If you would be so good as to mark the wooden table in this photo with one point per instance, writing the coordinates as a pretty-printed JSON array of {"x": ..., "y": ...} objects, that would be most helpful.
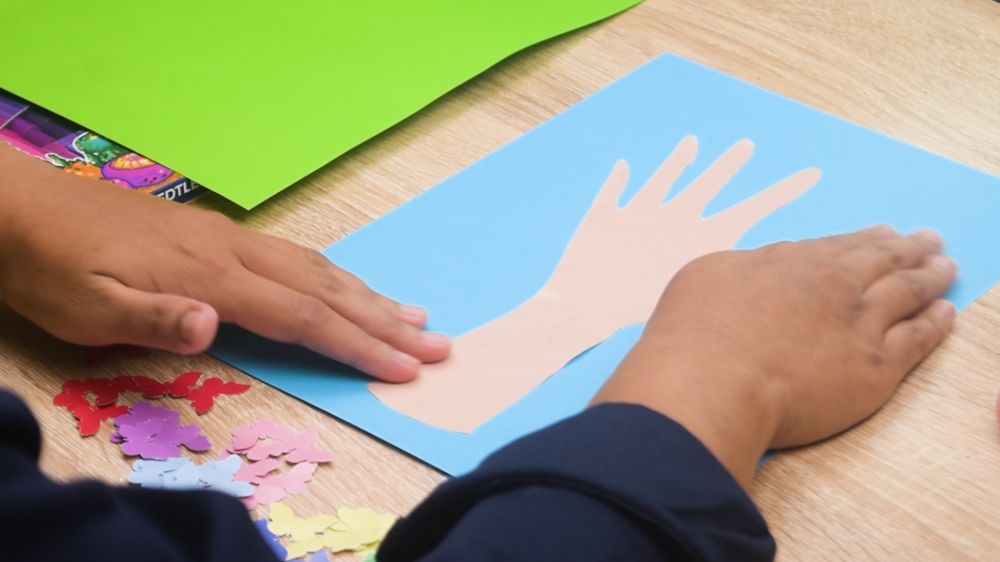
[{"x": 920, "y": 480}]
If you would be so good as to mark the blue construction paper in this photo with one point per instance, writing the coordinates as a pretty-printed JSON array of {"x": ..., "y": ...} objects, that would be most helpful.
[{"x": 486, "y": 239}]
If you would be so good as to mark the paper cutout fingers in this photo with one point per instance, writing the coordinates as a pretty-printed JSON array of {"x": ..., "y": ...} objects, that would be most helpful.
[{"x": 610, "y": 276}]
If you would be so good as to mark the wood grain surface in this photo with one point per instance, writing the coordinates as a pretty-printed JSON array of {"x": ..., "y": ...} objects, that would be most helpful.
[{"x": 918, "y": 481}]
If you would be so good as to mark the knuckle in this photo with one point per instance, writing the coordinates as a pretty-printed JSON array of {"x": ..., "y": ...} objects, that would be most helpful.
[
  {"x": 309, "y": 314},
  {"x": 778, "y": 248},
  {"x": 158, "y": 322},
  {"x": 875, "y": 358},
  {"x": 922, "y": 334},
  {"x": 313, "y": 257},
  {"x": 912, "y": 287},
  {"x": 832, "y": 276},
  {"x": 215, "y": 219}
]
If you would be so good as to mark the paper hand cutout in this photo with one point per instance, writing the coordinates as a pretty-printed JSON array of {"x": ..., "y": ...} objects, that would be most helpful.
[{"x": 610, "y": 276}]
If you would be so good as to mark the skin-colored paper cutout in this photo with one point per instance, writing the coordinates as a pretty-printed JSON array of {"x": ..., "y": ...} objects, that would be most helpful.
[{"x": 609, "y": 277}]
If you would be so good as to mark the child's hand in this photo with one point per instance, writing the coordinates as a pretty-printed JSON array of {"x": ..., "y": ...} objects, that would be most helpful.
[
  {"x": 788, "y": 344},
  {"x": 96, "y": 265}
]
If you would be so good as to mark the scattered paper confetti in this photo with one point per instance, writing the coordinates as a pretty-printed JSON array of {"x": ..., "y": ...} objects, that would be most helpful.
[
  {"x": 253, "y": 471},
  {"x": 284, "y": 522},
  {"x": 178, "y": 388},
  {"x": 89, "y": 418},
  {"x": 107, "y": 391},
  {"x": 154, "y": 432},
  {"x": 273, "y": 487},
  {"x": 364, "y": 528},
  {"x": 360, "y": 530},
  {"x": 203, "y": 397},
  {"x": 179, "y": 473},
  {"x": 267, "y": 438}
]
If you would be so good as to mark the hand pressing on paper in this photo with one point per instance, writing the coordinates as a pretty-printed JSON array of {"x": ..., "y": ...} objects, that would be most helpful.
[
  {"x": 96, "y": 265},
  {"x": 610, "y": 276},
  {"x": 788, "y": 344}
]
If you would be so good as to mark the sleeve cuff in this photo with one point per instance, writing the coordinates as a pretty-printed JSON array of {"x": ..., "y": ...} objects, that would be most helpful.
[{"x": 625, "y": 455}]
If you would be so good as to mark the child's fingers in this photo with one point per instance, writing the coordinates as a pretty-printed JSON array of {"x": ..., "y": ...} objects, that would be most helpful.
[
  {"x": 170, "y": 322},
  {"x": 902, "y": 294},
  {"x": 908, "y": 342},
  {"x": 312, "y": 274},
  {"x": 277, "y": 312},
  {"x": 872, "y": 261}
]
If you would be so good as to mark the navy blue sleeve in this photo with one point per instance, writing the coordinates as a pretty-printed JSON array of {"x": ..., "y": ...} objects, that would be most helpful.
[
  {"x": 41, "y": 520},
  {"x": 617, "y": 482}
]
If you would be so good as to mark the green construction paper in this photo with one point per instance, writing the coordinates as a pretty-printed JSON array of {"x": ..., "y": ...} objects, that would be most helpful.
[{"x": 248, "y": 97}]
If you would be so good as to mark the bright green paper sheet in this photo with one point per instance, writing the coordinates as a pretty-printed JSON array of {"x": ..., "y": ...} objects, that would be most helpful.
[{"x": 248, "y": 97}]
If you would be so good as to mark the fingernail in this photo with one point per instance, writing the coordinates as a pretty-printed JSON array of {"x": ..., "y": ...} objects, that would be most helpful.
[
  {"x": 943, "y": 309},
  {"x": 928, "y": 235},
  {"x": 407, "y": 361},
  {"x": 190, "y": 323},
  {"x": 431, "y": 339},
  {"x": 943, "y": 263},
  {"x": 412, "y": 312}
]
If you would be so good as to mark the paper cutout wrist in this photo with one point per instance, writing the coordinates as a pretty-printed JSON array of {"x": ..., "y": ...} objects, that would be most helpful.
[{"x": 610, "y": 276}]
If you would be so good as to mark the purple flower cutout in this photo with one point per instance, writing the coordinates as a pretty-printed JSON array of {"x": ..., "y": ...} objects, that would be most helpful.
[{"x": 154, "y": 432}]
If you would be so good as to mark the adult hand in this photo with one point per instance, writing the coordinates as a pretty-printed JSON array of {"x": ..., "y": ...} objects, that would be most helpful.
[
  {"x": 95, "y": 265},
  {"x": 790, "y": 343}
]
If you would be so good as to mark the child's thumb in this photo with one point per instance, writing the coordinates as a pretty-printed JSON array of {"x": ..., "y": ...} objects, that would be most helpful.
[{"x": 169, "y": 322}]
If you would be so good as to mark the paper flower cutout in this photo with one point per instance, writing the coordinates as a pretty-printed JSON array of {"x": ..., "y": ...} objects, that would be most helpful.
[
  {"x": 106, "y": 391},
  {"x": 153, "y": 432},
  {"x": 360, "y": 530},
  {"x": 284, "y": 522},
  {"x": 181, "y": 473},
  {"x": 272, "y": 487},
  {"x": 267, "y": 438},
  {"x": 203, "y": 397},
  {"x": 178, "y": 388}
]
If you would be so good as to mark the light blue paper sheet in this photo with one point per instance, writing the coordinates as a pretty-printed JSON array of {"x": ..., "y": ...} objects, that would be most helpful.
[{"x": 486, "y": 239}]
